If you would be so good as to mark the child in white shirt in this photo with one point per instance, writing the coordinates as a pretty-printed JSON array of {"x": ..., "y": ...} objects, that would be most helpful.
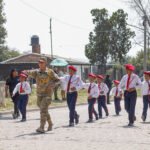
[
  {"x": 93, "y": 93},
  {"x": 24, "y": 89},
  {"x": 146, "y": 94},
  {"x": 117, "y": 93}
]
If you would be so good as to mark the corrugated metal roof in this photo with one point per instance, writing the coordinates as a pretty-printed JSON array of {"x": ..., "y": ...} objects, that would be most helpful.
[{"x": 69, "y": 60}]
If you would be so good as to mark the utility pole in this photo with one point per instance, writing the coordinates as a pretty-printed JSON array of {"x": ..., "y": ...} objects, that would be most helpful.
[
  {"x": 51, "y": 38},
  {"x": 145, "y": 42}
]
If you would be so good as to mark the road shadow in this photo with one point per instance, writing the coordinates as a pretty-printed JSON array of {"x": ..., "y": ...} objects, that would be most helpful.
[
  {"x": 66, "y": 126},
  {"x": 116, "y": 115},
  {"x": 34, "y": 134},
  {"x": 145, "y": 122},
  {"x": 33, "y": 119},
  {"x": 6, "y": 118},
  {"x": 130, "y": 127}
]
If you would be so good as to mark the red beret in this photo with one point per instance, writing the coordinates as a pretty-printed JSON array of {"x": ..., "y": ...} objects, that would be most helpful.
[
  {"x": 23, "y": 75},
  {"x": 116, "y": 81},
  {"x": 147, "y": 72},
  {"x": 100, "y": 76},
  {"x": 72, "y": 68},
  {"x": 130, "y": 67},
  {"x": 92, "y": 75}
]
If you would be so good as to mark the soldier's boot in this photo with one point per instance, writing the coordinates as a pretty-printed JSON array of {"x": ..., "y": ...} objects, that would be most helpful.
[
  {"x": 42, "y": 124},
  {"x": 40, "y": 129},
  {"x": 50, "y": 124}
]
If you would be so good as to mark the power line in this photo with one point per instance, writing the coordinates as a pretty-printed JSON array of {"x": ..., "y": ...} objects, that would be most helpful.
[
  {"x": 34, "y": 8},
  {"x": 66, "y": 23},
  {"x": 135, "y": 27},
  {"x": 47, "y": 15}
]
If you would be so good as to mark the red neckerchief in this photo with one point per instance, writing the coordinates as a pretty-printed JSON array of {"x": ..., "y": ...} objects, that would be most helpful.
[
  {"x": 69, "y": 82},
  {"x": 89, "y": 89},
  {"x": 116, "y": 91}
]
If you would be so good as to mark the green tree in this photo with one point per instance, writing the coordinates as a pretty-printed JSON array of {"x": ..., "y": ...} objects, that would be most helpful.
[
  {"x": 5, "y": 52},
  {"x": 110, "y": 39},
  {"x": 120, "y": 42},
  {"x": 3, "y": 32},
  {"x": 98, "y": 48},
  {"x": 138, "y": 61}
]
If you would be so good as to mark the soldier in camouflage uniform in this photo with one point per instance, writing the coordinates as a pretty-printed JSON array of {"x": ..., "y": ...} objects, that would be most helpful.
[{"x": 45, "y": 80}]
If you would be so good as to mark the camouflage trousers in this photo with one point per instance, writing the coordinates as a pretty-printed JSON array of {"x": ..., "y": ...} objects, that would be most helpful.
[{"x": 43, "y": 103}]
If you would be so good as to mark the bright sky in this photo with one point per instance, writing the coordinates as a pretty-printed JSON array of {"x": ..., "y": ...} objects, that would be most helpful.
[{"x": 71, "y": 24}]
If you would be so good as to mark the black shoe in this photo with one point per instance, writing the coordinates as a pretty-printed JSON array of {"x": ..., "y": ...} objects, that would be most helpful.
[
  {"x": 23, "y": 120},
  {"x": 143, "y": 118},
  {"x": 14, "y": 116},
  {"x": 107, "y": 114},
  {"x": 71, "y": 125},
  {"x": 90, "y": 121},
  {"x": 130, "y": 124},
  {"x": 18, "y": 115},
  {"x": 117, "y": 113},
  {"x": 96, "y": 117},
  {"x": 134, "y": 118},
  {"x": 100, "y": 117},
  {"x": 77, "y": 119}
]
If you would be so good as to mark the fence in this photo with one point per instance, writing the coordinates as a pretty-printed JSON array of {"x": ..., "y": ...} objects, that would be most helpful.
[{"x": 2, "y": 93}]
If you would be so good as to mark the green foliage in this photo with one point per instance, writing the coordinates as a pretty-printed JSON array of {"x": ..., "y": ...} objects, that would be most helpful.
[
  {"x": 3, "y": 32},
  {"x": 97, "y": 49},
  {"x": 110, "y": 39},
  {"x": 139, "y": 59},
  {"x": 6, "y": 53},
  {"x": 120, "y": 43}
]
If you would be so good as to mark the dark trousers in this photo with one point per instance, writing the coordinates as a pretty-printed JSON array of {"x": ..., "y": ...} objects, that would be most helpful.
[
  {"x": 117, "y": 104},
  {"x": 102, "y": 104},
  {"x": 146, "y": 103},
  {"x": 91, "y": 109},
  {"x": 71, "y": 101},
  {"x": 130, "y": 103},
  {"x": 15, "y": 101},
  {"x": 23, "y": 101},
  {"x": 108, "y": 100}
]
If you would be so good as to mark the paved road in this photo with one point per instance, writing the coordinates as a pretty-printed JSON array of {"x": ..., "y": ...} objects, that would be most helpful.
[{"x": 109, "y": 133}]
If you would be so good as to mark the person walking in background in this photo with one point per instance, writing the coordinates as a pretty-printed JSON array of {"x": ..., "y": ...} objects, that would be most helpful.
[
  {"x": 130, "y": 82},
  {"x": 57, "y": 86},
  {"x": 93, "y": 93},
  {"x": 116, "y": 92},
  {"x": 62, "y": 73},
  {"x": 24, "y": 89},
  {"x": 103, "y": 90},
  {"x": 146, "y": 94},
  {"x": 11, "y": 83},
  {"x": 108, "y": 82},
  {"x": 73, "y": 84}
]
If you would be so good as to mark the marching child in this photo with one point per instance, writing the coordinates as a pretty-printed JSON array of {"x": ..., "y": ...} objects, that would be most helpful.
[
  {"x": 93, "y": 93},
  {"x": 103, "y": 90},
  {"x": 73, "y": 85},
  {"x": 23, "y": 88},
  {"x": 117, "y": 93},
  {"x": 146, "y": 94},
  {"x": 130, "y": 82}
]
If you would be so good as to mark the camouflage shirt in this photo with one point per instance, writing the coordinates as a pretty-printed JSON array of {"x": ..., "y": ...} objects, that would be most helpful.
[{"x": 45, "y": 81}]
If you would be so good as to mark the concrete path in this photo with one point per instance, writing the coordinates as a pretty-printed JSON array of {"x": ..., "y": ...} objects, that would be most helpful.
[{"x": 109, "y": 133}]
